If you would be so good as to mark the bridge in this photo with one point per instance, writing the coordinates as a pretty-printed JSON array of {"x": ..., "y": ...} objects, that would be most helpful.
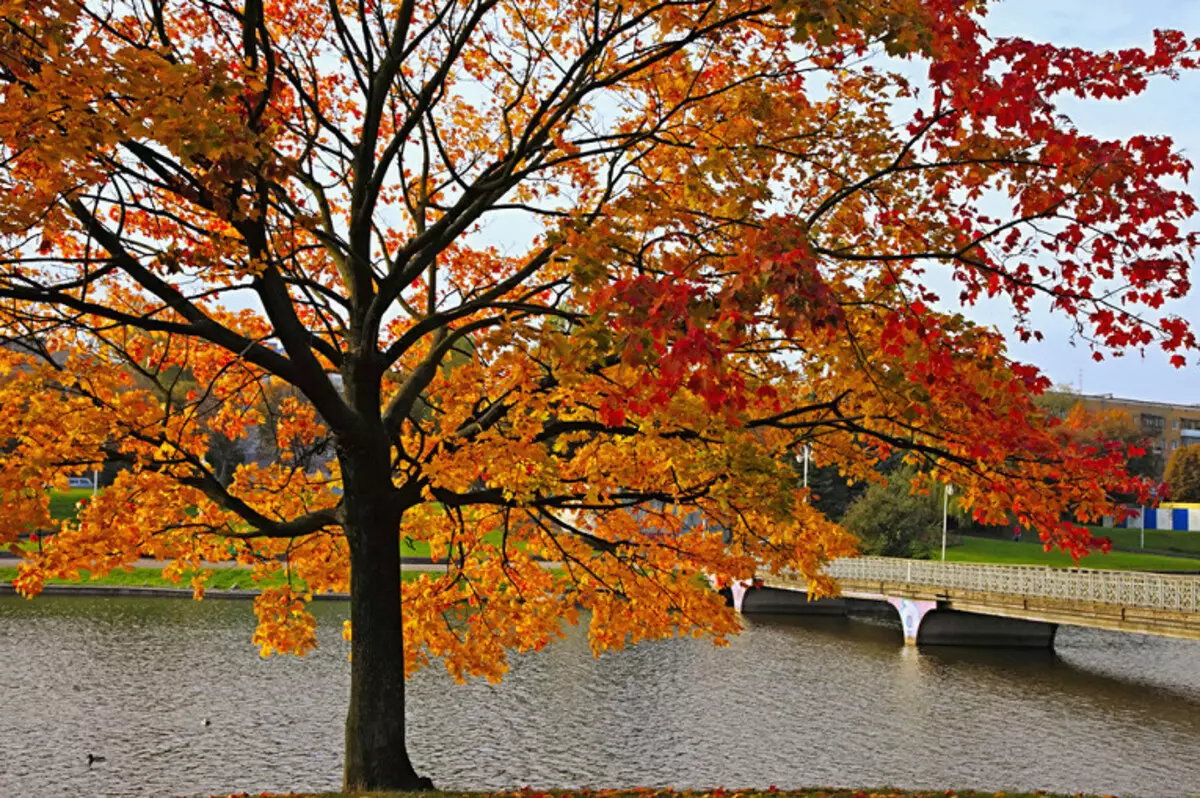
[{"x": 942, "y": 603}]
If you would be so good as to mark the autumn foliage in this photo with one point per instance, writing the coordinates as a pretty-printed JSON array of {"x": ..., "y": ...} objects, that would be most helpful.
[
  {"x": 533, "y": 280},
  {"x": 1183, "y": 474},
  {"x": 1109, "y": 430}
]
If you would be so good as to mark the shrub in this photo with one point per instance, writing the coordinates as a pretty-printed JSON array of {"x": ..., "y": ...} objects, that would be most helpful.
[{"x": 893, "y": 522}]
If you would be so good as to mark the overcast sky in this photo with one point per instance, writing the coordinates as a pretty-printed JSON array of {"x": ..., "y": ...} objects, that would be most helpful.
[{"x": 1168, "y": 107}]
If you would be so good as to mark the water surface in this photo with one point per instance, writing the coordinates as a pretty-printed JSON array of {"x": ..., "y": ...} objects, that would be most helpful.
[{"x": 790, "y": 703}]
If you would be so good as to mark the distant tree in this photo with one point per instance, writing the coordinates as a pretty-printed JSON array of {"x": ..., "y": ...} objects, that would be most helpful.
[
  {"x": 1183, "y": 474},
  {"x": 271, "y": 442},
  {"x": 1117, "y": 432},
  {"x": 111, "y": 467},
  {"x": 224, "y": 456},
  {"x": 1059, "y": 400},
  {"x": 1149, "y": 465},
  {"x": 832, "y": 493},
  {"x": 893, "y": 521}
]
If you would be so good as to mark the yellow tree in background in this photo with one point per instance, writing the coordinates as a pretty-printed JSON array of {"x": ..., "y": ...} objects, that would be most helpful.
[{"x": 1183, "y": 474}]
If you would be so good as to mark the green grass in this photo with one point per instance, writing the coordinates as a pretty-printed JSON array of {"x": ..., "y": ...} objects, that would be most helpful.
[
  {"x": 62, "y": 502},
  {"x": 420, "y": 548},
  {"x": 1157, "y": 540},
  {"x": 222, "y": 579},
  {"x": 414, "y": 548},
  {"x": 63, "y": 505},
  {"x": 993, "y": 550}
]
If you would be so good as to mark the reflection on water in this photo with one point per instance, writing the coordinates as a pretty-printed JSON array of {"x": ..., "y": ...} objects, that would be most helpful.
[{"x": 789, "y": 702}]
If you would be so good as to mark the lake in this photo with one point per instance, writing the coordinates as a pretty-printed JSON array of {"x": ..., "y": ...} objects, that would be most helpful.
[{"x": 792, "y": 702}]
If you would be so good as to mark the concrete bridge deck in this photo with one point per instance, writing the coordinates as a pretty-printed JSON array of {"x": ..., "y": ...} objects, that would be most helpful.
[{"x": 965, "y": 602}]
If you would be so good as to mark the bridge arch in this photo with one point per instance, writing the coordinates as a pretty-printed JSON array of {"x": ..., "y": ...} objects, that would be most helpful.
[{"x": 929, "y": 623}]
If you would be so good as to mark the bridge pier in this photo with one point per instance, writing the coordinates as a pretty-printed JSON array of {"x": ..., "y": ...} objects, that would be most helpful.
[{"x": 912, "y": 613}]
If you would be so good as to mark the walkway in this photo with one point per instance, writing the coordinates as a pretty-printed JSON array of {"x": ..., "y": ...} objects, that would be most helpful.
[{"x": 1129, "y": 601}]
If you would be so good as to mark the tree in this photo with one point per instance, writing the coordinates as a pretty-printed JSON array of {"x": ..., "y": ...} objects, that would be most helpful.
[
  {"x": 1059, "y": 400},
  {"x": 550, "y": 276},
  {"x": 831, "y": 494},
  {"x": 1114, "y": 429},
  {"x": 893, "y": 521},
  {"x": 1183, "y": 474}
]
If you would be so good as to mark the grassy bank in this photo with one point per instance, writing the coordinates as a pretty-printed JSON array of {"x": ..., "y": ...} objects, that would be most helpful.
[
  {"x": 1157, "y": 540},
  {"x": 1029, "y": 552},
  {"x": 420, "y": 548},
  {"x": 222, "y": 579},
  {"x": 63, "y": 503}
]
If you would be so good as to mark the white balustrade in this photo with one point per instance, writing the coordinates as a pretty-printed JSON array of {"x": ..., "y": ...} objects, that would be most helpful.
[{"x": 1124, "y": 588}]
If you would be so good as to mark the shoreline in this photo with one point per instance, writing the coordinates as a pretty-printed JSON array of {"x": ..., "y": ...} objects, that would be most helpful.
[
  {"x": 83, "y": 590},
  {"x": 670, "y": 792},
  {"x": 86, "y": 588}
]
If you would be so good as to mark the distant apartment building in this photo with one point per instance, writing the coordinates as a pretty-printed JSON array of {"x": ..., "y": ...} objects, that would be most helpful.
[{"x": 1166, "y": 426}]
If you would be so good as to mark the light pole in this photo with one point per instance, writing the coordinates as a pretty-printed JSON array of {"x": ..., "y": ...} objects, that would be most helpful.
[
  {"x": 945, "y": 514},
  {"x": 806, "y": 465}
]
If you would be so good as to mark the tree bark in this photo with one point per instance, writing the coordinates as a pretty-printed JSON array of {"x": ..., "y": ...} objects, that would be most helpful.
[{"x": 376, "y": 753}]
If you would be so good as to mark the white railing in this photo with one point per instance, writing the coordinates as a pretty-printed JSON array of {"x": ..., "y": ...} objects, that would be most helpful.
[{"x": 1123, "y": 588}]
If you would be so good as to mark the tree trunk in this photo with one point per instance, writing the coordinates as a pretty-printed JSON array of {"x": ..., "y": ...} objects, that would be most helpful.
[{"x": 376, "y": 754}]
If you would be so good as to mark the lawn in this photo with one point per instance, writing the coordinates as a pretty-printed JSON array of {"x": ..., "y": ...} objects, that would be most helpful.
[
  {"x": 1029, "y": 552},
  {"x": 414, "y": 548},
  {"x": 63, "y": 505},
  {"x": 62, "y": 502},
  {"x": 1158, "y": 540},
  {"x": 222, "y": 579},
  {"x": 420, "y": 548}
]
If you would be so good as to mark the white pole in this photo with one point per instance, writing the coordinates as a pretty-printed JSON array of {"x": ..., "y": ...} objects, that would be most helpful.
[
  {"x": 945, "y": 513},
  {"x": 95, "y": 480},
  {"x": 806, "y": 465},
  {"x": 1142, "y": 523}
]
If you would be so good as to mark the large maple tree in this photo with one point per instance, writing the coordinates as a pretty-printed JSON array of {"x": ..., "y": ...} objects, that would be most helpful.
[{"x": 564, "y": 281}]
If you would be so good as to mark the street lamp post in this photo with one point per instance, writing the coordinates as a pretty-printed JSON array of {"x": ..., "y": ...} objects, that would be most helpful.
[
  {"x": 806, "y": 465},
  {"x": 945, "y": 514}
]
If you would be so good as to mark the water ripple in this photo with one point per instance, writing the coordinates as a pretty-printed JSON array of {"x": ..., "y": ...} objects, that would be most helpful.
[{"x": 788, "y": 703}]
